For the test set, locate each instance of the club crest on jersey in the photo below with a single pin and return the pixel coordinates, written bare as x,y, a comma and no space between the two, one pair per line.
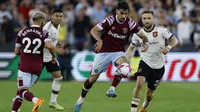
125,30
155,34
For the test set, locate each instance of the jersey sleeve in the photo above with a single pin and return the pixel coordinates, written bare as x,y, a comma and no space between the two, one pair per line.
106,23
18,40
46,31
46,36
134,27
134,39
166,33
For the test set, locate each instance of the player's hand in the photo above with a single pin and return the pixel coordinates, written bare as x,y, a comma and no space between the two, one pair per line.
145,47
54,60
98,45
165,50
60,44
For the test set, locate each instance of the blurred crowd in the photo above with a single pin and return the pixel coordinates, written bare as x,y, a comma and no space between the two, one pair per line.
182,17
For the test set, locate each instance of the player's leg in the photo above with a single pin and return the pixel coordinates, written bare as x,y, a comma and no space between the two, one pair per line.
142,74
25,81
40,101
147,101
117,78
86,87
17,102
100,65
152,83
54,69
136,93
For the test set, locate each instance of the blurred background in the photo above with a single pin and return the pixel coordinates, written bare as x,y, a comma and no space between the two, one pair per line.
181,17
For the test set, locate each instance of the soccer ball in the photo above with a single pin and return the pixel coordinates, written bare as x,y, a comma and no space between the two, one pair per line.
124,70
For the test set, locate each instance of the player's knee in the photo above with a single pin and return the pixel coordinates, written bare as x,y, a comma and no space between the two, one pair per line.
139,84
56,74
59,79
120,60
18,97
22,91
93,78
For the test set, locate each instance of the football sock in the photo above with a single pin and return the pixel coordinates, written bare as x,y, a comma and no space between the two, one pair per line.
17,102
34,100
147,101
112,88
55,88
28,95
116,80
145,104
80,100
134,104
86,87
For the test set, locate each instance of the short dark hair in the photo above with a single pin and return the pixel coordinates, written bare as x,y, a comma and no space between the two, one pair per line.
59,10
148,11
122,5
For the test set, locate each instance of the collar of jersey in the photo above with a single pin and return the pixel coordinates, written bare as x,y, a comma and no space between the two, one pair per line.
150,29
54,25
35,26
118,20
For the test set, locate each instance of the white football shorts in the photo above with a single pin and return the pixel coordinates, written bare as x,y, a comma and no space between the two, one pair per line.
25,79
102,60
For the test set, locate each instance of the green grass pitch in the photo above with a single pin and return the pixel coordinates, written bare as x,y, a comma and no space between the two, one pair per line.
169,97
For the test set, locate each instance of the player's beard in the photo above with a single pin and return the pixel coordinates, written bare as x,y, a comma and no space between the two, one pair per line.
122,19
148,27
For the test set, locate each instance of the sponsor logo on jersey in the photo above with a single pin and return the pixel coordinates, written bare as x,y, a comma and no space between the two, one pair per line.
155,34
115,35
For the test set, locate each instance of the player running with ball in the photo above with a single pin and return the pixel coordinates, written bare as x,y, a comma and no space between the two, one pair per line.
109,48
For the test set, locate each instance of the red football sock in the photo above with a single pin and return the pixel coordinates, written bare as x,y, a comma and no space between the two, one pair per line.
26,95
17,102
116,80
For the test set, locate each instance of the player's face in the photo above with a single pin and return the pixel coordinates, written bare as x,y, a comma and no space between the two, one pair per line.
147,20
57,17
122,15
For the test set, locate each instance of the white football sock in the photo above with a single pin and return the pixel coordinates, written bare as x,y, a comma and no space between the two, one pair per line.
34,100
112,88
80,100
135,102
145,104
133,109
55,89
